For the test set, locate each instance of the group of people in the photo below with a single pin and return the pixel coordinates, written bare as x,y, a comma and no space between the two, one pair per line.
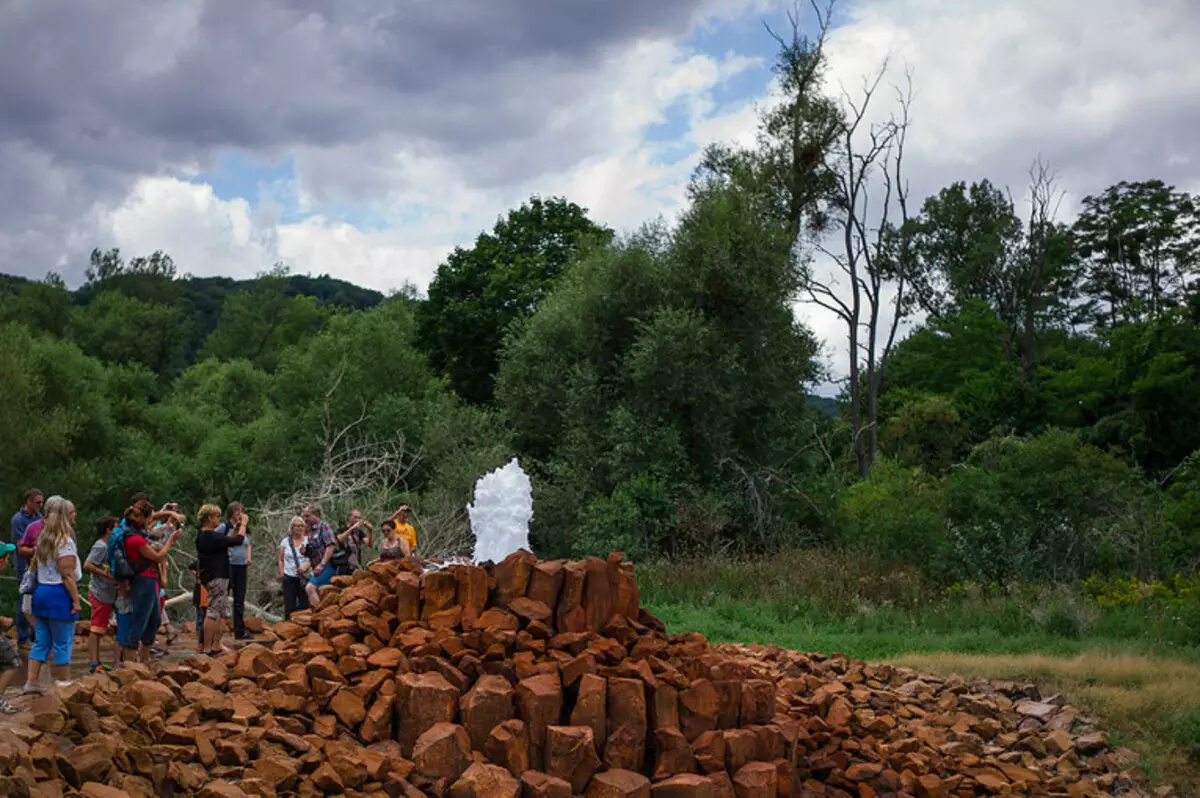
127,569
311,554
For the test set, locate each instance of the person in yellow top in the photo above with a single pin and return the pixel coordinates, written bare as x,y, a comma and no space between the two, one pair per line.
399,534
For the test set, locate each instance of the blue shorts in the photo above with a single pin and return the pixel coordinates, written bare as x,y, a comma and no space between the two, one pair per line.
326,576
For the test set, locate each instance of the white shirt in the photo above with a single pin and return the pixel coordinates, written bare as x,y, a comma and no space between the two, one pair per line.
293,561
48,571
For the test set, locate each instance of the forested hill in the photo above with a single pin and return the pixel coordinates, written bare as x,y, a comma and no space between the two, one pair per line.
196,303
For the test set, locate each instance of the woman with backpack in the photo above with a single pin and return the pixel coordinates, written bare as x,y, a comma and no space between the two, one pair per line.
134,564
55,599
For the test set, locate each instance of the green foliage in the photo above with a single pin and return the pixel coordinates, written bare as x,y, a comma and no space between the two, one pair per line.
478,293
927,433
899,513
1141,243
1049,507
673,357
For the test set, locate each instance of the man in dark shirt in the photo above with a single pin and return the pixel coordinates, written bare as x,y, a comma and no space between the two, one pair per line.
212,554
30,512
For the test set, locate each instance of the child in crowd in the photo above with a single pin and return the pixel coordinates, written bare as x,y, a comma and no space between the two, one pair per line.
102,592
200,602
10,658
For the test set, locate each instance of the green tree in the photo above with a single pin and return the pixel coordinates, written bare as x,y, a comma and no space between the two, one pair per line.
123,329
671,359
41,306
969,244
33,436
478,293
259,323
1141,244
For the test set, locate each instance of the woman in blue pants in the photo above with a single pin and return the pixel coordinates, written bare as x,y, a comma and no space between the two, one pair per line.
55,602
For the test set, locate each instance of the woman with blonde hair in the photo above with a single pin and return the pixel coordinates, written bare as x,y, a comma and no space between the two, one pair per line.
212,566
295,569
55,601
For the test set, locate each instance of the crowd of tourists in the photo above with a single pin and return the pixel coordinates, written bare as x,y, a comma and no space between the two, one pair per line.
127,571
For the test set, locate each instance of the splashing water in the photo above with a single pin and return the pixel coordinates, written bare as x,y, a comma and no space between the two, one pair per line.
501,512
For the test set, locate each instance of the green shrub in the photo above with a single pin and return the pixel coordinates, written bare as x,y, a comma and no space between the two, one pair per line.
897,513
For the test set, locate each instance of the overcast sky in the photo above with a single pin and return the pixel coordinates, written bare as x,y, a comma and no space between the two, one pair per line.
365,138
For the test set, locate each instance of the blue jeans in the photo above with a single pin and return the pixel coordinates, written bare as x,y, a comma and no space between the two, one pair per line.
141,623
25,632
60,633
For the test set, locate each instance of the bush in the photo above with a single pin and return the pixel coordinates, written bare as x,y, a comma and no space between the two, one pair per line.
897,513
1044,509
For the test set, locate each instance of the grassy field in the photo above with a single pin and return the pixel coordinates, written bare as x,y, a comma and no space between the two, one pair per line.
1135,668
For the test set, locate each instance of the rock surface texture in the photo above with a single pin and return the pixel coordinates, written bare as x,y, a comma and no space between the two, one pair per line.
541,679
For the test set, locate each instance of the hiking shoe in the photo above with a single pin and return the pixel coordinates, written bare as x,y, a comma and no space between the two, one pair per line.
6,708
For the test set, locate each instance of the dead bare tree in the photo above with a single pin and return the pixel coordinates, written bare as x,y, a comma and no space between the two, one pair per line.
870,255
1045,198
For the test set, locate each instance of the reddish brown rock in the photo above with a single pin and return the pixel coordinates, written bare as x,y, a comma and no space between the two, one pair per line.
407,587
512,577
545,582
540,700
756,780
619,784
686,785
439,590
729,703
508,746
672,754
698,706
597,594
422,701
758,702
488,704
625,748
664,705
472,592
741,748
442,752
485,781
530,610
571,755
569,614
709,749
540,785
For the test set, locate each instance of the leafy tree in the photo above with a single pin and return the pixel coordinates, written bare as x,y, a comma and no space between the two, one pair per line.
928,434
671,357
123,329
1141,243
259,323
478,293
969,244
41,306
33,436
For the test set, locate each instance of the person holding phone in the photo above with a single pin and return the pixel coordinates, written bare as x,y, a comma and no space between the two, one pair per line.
239,564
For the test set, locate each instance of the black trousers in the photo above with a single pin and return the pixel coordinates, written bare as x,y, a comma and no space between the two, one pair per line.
237,581
294,597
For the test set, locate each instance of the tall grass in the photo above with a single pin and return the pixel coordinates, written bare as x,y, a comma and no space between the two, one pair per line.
803,598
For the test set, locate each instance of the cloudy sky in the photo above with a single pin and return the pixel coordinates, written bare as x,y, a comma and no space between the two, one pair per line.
365,138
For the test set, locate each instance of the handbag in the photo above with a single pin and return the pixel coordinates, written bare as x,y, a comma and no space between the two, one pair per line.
29,582
296,559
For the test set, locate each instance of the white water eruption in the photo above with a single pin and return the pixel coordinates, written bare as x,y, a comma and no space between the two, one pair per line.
501,512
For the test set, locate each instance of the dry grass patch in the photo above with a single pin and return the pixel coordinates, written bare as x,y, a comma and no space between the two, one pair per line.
1151,704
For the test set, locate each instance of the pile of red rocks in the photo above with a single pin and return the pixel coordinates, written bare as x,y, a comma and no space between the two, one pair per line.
544,679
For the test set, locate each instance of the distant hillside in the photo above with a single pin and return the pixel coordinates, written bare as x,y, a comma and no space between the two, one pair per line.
825,404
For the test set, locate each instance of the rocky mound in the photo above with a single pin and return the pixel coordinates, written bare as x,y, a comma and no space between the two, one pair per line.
545,679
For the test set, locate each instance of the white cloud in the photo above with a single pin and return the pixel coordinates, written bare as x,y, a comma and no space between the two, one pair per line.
1103,89
429,203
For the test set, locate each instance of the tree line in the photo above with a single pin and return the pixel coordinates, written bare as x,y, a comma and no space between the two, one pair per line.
1039,422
